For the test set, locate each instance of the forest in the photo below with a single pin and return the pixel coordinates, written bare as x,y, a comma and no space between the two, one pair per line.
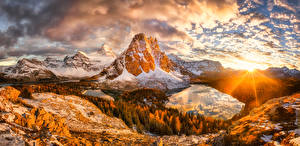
141,109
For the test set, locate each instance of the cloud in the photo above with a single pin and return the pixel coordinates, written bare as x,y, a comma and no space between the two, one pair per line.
38,47
162,30
221,30
37,51
10,36
167,19
30,17
76,21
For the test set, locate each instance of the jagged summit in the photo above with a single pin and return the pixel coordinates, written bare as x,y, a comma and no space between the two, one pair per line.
144,54
80,59
144,62
80,56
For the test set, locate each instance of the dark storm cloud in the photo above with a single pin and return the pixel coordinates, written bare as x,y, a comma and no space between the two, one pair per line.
10,36
30,17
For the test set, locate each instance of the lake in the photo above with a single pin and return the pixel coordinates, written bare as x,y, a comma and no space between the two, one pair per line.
204,100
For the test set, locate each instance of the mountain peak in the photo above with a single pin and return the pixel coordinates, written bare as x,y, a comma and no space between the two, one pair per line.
140,36
81,54
144,55
143,64
105,50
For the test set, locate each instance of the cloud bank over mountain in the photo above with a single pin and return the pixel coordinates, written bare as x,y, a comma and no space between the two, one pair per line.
258,31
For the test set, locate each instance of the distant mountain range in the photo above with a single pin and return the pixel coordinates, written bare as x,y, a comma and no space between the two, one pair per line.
77,66
142,64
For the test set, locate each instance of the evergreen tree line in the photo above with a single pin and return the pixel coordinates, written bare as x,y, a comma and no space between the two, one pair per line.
134,109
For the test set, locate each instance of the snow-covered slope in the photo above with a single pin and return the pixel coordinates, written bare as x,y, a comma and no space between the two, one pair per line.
197,67
78,66
143,64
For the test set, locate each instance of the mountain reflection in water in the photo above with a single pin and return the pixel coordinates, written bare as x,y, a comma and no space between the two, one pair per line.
204,100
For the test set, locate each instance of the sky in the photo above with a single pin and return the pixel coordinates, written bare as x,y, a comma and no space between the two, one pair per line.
238,33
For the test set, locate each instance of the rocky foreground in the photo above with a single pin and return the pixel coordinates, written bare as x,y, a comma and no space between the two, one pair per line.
52,119
63,120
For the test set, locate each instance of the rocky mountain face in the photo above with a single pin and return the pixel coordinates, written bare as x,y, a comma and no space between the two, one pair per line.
197,67
71,67
144,65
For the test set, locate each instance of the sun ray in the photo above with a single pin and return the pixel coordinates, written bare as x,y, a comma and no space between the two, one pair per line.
254,87
237,83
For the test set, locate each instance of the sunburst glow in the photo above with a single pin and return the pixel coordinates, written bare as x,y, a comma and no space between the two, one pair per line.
249,66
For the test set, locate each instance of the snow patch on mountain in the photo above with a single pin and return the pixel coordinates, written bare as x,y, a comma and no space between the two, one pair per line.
125,76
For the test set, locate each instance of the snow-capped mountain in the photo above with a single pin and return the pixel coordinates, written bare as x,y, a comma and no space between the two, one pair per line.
77,66
30,70
197,67
106,51
143,64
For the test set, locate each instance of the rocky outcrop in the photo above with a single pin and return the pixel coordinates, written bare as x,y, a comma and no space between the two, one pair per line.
274,122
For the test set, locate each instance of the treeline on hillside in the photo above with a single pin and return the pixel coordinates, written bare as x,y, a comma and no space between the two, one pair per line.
145,96
143,110
158,120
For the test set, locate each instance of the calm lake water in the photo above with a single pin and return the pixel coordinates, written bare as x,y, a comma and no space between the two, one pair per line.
204,100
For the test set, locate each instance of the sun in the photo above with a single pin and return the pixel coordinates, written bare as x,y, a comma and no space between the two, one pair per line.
248,66
250,69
